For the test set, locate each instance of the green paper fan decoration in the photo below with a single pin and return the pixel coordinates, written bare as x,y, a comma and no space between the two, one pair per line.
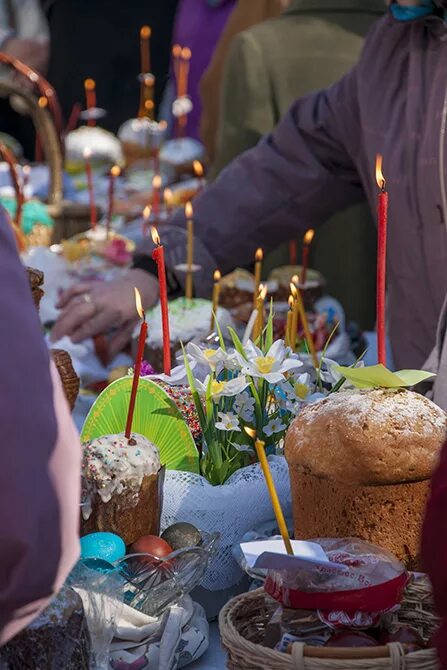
378,376
156,417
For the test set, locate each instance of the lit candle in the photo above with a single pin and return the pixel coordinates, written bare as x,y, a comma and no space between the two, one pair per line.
289,326
182,87
198,172
145,36
216,294
43,104
159,257
176,55
91,191
156,194
90,98
260,451
260,304
259,255
146,218
382,221
168,199
307,241
189,286
137,366
294,319
299,306
114,173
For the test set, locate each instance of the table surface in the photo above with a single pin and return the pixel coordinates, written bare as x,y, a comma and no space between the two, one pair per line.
214,658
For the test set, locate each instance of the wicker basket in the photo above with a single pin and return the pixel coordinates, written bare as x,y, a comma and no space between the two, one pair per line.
70,218
69,378
243,621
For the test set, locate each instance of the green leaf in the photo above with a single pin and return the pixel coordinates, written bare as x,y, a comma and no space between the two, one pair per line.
219,332
378,376
236,341
269,328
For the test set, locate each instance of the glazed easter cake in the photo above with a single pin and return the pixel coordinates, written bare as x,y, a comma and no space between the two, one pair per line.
121,485
188,319
360,465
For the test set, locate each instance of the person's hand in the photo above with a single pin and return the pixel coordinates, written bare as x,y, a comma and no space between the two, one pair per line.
93,308
33,53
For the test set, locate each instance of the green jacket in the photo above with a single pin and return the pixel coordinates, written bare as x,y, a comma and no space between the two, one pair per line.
269,66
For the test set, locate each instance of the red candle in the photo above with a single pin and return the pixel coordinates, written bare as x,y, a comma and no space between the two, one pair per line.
382,220
73,118
156,195
90,96
91,192
158,255
307,241
114,173
38,150
138,361
293,255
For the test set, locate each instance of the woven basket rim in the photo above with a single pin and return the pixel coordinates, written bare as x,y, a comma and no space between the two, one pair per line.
233,640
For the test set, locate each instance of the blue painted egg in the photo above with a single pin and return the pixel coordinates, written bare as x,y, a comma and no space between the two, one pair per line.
106,546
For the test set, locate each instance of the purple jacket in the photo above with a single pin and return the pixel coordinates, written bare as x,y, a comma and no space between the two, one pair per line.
321,158
198,25
39,457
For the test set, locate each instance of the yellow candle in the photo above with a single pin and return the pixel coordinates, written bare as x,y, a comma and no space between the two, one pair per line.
307,333
260,450
259,323
259,255
216,295
189,250
294,319
288,336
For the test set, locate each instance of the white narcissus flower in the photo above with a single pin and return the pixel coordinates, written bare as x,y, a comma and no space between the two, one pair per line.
244,406
178,376
221,389
274,426
227,422
209,357
271,367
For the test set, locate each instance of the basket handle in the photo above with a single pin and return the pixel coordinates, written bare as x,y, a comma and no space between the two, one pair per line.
45,127
44,87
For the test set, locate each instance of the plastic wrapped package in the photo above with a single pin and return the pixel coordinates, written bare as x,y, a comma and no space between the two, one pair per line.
369,582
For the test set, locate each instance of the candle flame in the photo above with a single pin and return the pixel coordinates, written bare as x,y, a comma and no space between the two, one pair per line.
295,280
156,181
380,179
145,32
291,301
262,292
147,212
167,196
198,168
42,102
89,84
176,50
217,276
115,171
293,290
155,236
139,304
162,125
149,105
87,153
309,236
26,170
186,53
259,255
250,432
189,210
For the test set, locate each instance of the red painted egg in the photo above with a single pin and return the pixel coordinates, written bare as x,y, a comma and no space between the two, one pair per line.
151,544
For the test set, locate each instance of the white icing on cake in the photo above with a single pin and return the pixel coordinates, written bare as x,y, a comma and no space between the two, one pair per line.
142,132
187,319
110,464
182,150
103,145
